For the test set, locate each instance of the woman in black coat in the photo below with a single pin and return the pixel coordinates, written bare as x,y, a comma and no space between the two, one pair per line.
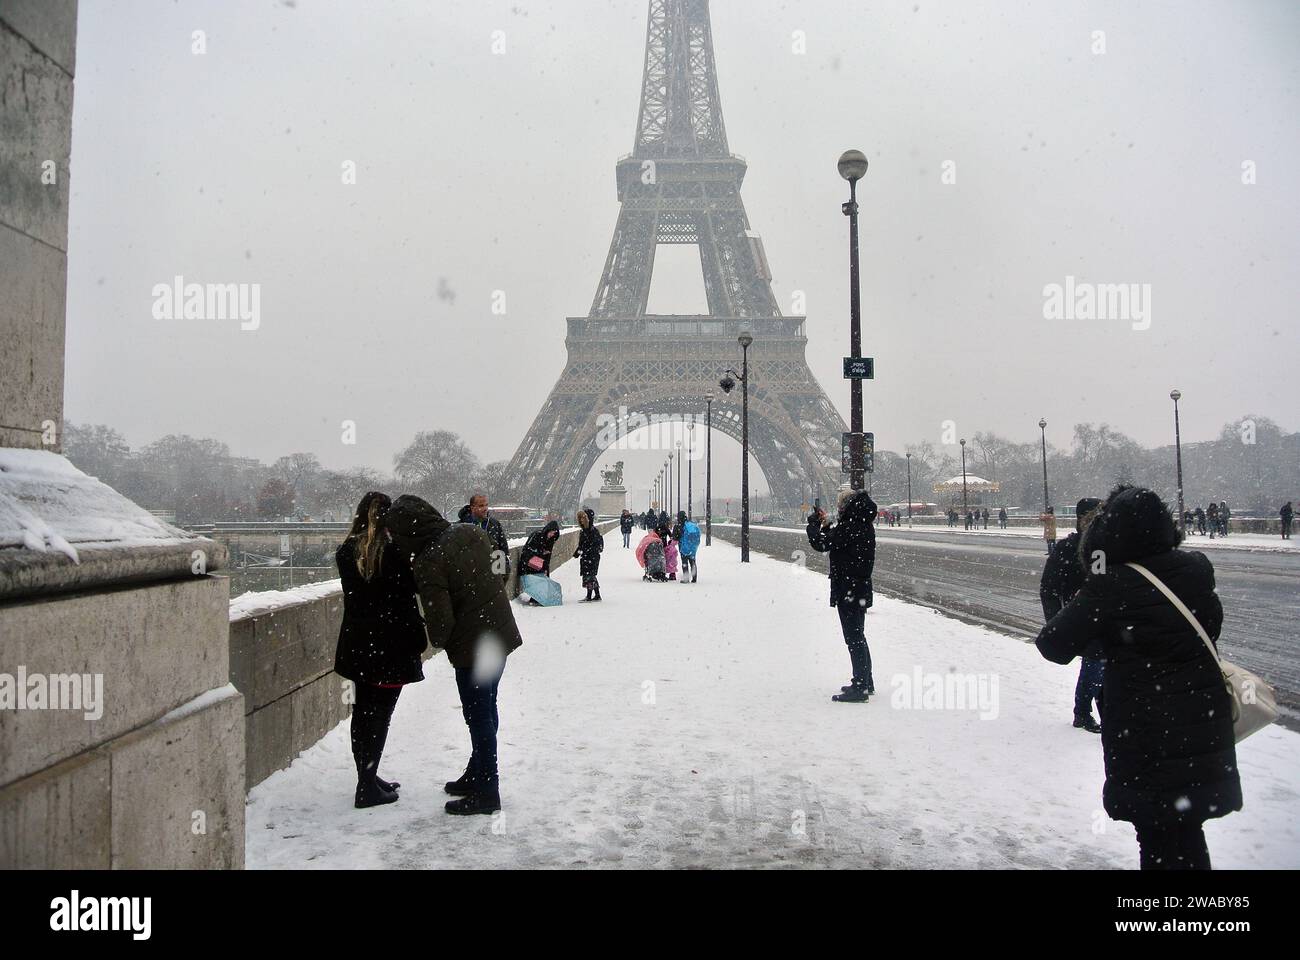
1166,727
540,544
590,543
852,545
381,639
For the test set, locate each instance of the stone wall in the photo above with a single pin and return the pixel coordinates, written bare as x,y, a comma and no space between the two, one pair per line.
37,62
282,662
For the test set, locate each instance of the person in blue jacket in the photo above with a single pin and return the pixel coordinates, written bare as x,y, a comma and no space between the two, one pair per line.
688,543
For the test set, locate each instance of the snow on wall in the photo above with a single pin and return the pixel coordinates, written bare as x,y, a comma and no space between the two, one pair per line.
262,602
48,505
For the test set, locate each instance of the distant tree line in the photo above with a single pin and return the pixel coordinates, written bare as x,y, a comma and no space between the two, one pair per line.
1253,465
202,482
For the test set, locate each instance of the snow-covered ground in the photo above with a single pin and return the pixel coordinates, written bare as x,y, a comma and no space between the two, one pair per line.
682,725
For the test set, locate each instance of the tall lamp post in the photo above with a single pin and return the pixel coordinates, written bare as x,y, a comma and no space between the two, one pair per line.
1042,426
679,479
909,491
1175,396
672,507
708,471
728,382
690,468
853,167
965,509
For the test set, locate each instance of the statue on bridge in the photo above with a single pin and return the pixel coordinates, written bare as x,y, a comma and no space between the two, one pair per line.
613,478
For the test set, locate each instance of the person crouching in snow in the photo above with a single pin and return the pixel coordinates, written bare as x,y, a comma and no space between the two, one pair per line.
380,641
468,615
590,543
650,554
851,542
535,557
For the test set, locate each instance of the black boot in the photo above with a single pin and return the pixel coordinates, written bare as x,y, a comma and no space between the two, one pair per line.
852,695
387,785
1087,723
371,794
463,786
488,801
368,739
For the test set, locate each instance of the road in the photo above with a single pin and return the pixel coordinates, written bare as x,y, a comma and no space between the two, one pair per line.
993,580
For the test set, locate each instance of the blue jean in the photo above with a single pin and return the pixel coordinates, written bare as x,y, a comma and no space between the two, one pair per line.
1088,687
478,704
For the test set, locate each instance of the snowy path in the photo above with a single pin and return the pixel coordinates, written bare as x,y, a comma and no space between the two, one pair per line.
690,725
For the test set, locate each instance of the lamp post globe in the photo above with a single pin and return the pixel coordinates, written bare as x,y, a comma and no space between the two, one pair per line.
852,165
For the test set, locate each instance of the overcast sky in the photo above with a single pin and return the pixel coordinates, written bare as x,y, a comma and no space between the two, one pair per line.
479,171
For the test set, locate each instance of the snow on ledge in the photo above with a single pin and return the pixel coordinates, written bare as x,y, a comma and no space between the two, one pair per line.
48,505
262,602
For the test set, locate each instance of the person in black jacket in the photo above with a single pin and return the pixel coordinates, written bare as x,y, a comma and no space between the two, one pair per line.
539,545
1287,514
1063,575
851,542
590,543
1166,727
476,512
380,642
625,524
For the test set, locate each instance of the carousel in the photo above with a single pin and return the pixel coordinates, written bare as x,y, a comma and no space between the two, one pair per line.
976,488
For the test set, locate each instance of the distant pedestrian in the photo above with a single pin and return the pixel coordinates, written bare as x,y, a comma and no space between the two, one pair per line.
1002,517
476,512
970,520
1063,575
986,518
1200,521
1212,518
625,524
1287,513
468,616
1048,520
380,641
1224,516
1166,728
590,544
671,550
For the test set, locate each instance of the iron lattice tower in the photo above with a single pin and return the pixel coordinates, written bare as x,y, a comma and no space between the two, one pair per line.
681,184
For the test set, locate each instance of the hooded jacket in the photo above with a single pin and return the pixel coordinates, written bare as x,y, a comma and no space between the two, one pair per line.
851,542
590,544
466,610
1166,725
539,545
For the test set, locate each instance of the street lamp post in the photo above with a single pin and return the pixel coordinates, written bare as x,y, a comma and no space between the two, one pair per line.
1175,396
679,479
964,506
1042,426
727,383
853,167
909,491
672,507
708,471
690,468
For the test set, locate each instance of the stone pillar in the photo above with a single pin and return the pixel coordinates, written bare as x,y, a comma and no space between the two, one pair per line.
121,737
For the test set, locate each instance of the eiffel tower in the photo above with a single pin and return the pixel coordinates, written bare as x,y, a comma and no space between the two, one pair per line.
681,184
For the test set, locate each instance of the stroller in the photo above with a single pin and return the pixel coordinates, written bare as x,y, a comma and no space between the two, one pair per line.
652,557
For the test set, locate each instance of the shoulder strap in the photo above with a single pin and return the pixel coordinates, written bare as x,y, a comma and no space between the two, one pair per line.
1182,607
